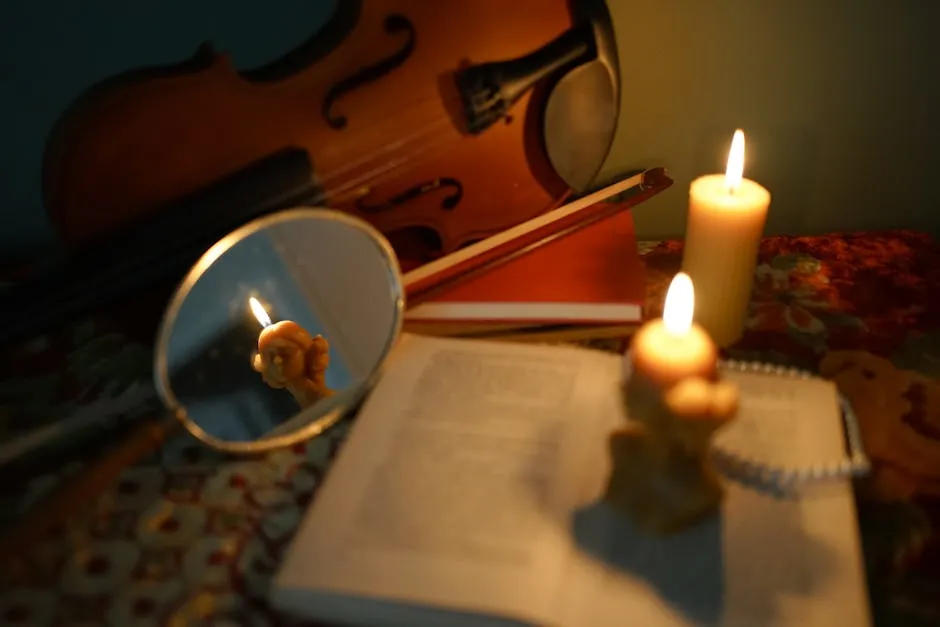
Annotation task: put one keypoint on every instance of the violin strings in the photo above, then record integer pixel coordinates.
(378, 153)
(378, 173)
(434, 107)
(415, 107)
(375, 175)
(382, 163)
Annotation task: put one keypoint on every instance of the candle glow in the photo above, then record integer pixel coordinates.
(679, 306)
(258, 310)
(734, 172)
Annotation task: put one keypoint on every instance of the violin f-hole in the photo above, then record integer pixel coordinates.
(448, 203)
(393, 25)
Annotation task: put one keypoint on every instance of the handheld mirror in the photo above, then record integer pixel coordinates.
(279, 329)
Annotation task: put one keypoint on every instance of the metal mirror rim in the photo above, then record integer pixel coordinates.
(317, 426)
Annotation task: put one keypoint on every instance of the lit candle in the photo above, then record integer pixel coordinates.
(661, 476)
(727, 214)
(667, 350)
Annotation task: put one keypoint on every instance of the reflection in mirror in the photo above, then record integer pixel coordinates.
(279, 329)
(289, 357)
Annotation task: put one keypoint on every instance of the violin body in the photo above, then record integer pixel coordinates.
(397, 102)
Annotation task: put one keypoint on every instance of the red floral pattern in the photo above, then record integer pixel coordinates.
(190, 537)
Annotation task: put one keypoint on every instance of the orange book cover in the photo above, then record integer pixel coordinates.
(591, 276)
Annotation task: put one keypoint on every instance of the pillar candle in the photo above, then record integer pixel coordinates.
(727, 214)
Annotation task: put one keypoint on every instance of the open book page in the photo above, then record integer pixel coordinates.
(785, 423)
(783, 560)
(455, 486)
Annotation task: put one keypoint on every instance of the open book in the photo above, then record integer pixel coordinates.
(468, 493)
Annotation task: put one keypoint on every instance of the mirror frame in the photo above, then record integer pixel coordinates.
(319, 425)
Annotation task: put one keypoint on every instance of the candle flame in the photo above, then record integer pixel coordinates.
(734, 173)
(258, 310)
(680, 304)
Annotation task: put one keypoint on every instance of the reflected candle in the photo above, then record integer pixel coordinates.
(288, 357)
(727, 214)
(660, 474)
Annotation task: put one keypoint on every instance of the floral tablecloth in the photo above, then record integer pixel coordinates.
(190, 537)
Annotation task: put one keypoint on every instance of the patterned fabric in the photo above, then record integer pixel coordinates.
(188, 537)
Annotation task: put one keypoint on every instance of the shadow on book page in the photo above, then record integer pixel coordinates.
(739, 567)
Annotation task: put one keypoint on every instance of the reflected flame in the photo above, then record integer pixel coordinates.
(734, 173)
(680, 304)
(258, 310)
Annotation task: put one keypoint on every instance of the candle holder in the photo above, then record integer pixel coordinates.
(663, 476)
(667, 468)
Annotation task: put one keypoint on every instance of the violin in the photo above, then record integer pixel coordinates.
(441, 123)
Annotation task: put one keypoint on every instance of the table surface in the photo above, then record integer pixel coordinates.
(188, 536)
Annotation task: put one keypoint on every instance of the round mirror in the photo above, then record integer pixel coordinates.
(279, 329)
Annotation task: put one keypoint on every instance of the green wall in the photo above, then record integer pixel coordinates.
(838, 99)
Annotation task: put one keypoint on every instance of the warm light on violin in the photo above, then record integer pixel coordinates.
(441, 123)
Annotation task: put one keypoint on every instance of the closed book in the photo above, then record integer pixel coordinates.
(592, 276)
(431, 279)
